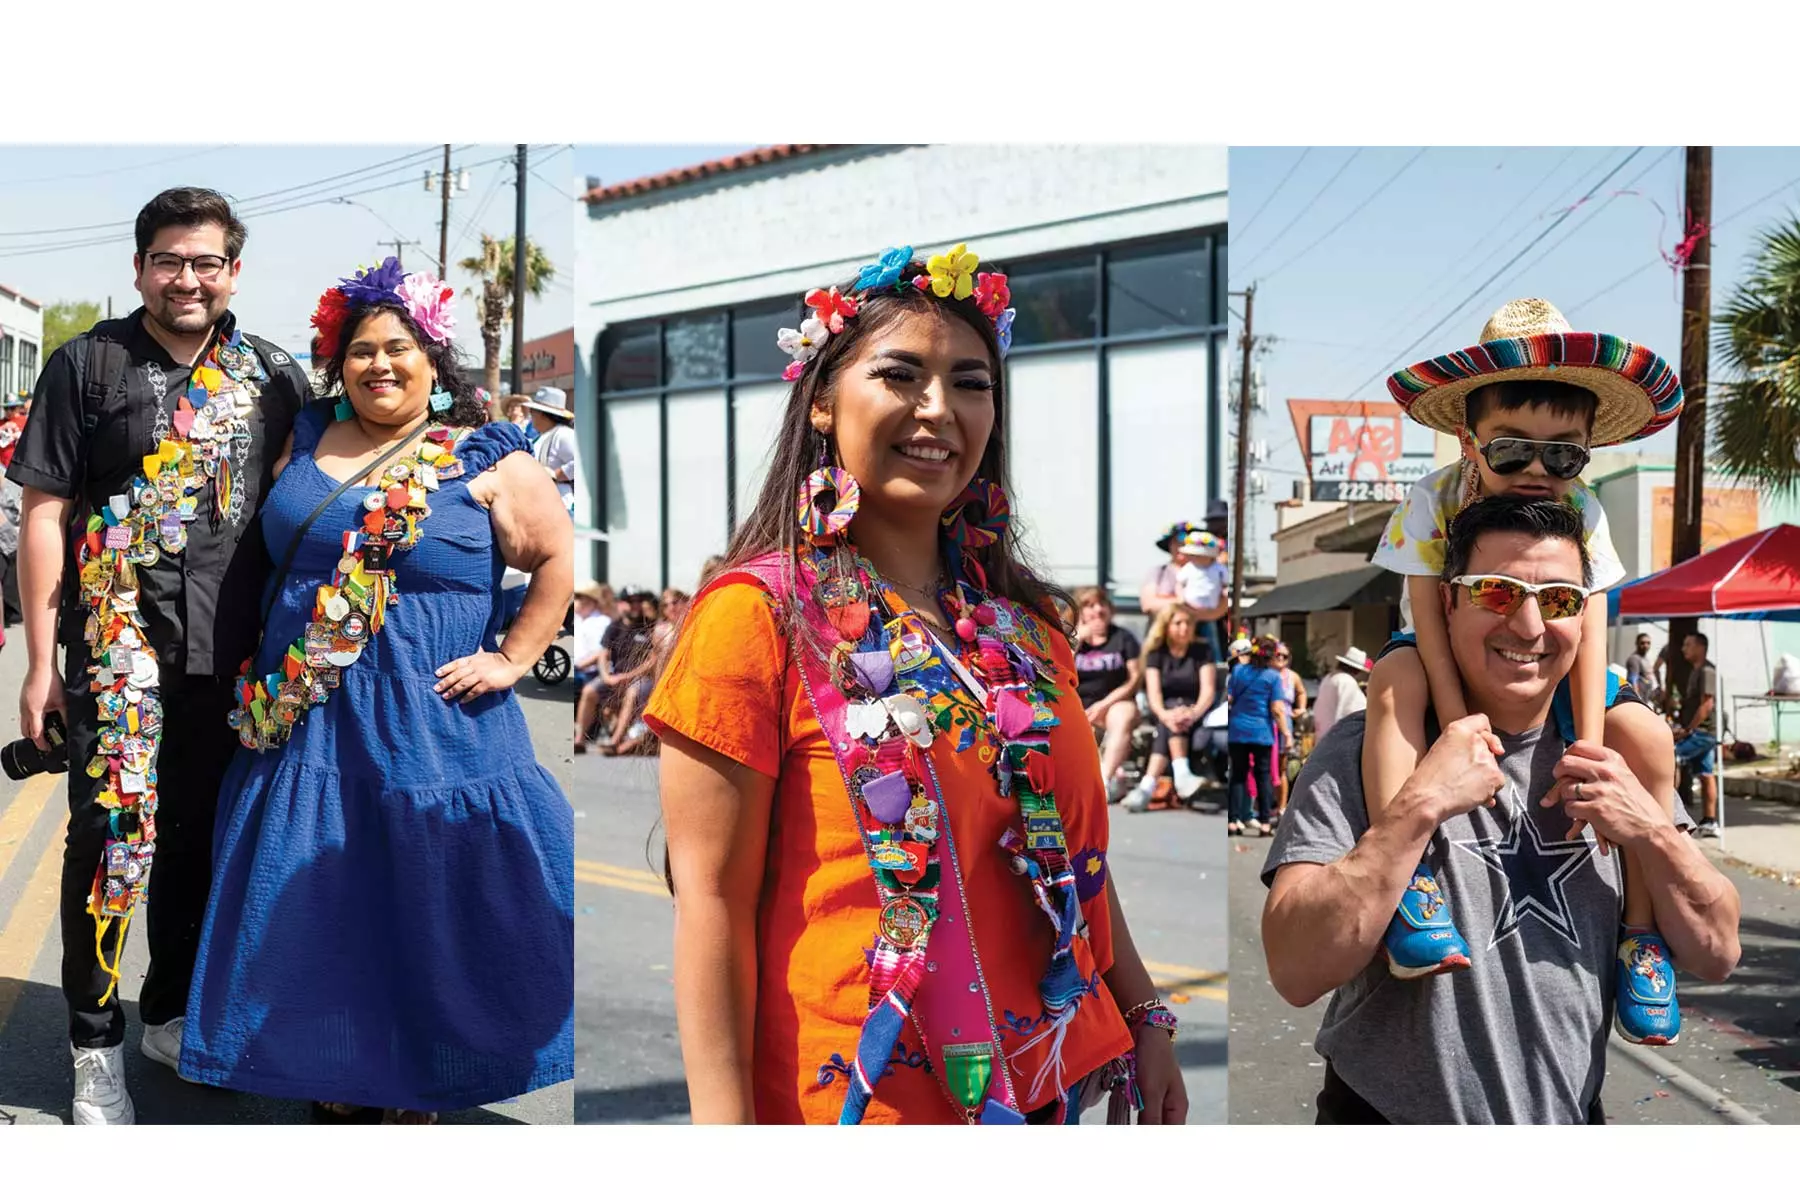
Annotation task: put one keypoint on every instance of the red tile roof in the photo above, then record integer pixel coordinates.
(20, 296)
(718, 166)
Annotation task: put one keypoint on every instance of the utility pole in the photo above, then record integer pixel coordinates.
(1690, 427)
(444, 226)
(518, 330)
(399, 246)
(1248, 341)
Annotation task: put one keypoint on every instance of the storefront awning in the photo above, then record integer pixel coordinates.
(1365, 585)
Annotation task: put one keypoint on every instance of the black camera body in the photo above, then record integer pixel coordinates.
(22, 759)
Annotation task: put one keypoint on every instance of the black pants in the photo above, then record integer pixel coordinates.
(1337, 1104)
(197, 746)
(1243, 755)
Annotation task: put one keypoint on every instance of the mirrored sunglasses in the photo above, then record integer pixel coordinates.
(1510, 455)
(1502, 595)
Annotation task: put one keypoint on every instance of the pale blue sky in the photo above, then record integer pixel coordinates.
(1357, 254)
(50, 194)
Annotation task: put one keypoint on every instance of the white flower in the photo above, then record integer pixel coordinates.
(803, 343)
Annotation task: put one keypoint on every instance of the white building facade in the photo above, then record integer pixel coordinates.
(21, 341)
(1116, 256)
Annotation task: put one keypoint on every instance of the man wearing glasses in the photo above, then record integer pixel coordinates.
(1498, 804)
(105, 401)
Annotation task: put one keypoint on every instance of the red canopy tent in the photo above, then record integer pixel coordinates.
(1757, 577)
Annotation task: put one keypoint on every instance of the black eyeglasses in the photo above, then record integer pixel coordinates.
(1510, 455)
(206, 266)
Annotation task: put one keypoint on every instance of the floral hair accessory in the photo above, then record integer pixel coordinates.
(424, 297)
(949, 276)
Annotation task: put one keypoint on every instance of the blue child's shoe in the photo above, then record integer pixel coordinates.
(1646, 1011)
(1421, 939)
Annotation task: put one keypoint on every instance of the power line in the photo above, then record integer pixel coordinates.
(1307, 207)
(155, 162)
(1240, 230)
(1476, 294)
(551, 186)
(1347, 216)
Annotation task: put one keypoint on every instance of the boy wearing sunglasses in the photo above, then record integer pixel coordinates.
(1526, 404)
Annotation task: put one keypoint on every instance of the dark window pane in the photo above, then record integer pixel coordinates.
(753, 333)
(1163, 287)
(1221, 280)
(1056, 302)
(694, 349)
(629, 357)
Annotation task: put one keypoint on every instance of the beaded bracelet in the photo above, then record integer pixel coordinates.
(1153, 1013)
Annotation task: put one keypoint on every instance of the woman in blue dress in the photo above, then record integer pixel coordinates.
(391, 929)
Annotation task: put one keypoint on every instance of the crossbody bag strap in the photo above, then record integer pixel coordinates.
(287, 560)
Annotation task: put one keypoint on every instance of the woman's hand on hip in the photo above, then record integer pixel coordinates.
(1159, 1079)
(477, 674)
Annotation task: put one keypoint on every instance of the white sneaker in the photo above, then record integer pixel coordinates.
(1137, 801)
(162, 1043)
(1186, 782)
(100, 1095)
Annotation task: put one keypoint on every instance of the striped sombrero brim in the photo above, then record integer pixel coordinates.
(1638, 392)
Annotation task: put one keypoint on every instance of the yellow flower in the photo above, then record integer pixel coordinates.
(953, 274)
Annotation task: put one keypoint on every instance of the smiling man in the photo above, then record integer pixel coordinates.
(1510, 825)
(174, 382)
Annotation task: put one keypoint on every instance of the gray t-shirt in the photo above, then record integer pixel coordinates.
(1519, 1037)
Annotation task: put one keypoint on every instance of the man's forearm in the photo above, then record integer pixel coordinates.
(1696, 906)
(1324, 922)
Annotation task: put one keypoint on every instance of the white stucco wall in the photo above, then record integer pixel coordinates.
(21, 321)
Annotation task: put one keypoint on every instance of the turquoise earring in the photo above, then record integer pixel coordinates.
(440, 399)
(343, 411)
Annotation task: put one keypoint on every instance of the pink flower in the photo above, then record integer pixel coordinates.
(991, 293)
(792, 371)
(429, 302)
(831, 307)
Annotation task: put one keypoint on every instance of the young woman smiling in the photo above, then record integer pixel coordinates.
(874, 761)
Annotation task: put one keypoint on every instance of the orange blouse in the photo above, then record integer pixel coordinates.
(730, 686)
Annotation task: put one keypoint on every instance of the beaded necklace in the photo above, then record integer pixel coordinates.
(135, 528)
(350, 610)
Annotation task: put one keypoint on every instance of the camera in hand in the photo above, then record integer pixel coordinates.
(22, 759)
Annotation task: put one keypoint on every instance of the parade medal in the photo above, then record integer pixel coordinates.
(921, 818)
(428, 476)
(375, 556)
(336, 608)
(355, 628)
(888, 797)
(890, 856)
(968, 1069)
(904, 922)
(918, 856)
(98, 766)
(374, 502)
(344, 657)
(132, 783)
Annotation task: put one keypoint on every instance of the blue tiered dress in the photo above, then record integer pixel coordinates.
(392, 913)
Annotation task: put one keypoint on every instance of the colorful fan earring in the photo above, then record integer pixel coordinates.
(979, 516)
(821, 522)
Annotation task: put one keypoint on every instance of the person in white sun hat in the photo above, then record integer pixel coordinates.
(1526, 404)
(555, 445)
(1340, 692)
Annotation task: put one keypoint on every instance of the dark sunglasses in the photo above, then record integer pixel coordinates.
(1502, 595)
(1510, 455)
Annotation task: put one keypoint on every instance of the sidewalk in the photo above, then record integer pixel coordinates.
(1762, 821)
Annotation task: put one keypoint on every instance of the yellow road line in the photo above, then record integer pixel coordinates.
(1178, 980)
(624, 882)
(23, 934)
(21, 816)
(600, 868)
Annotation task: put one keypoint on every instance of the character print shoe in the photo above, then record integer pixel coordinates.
(1421, 939)
(1646, 1011)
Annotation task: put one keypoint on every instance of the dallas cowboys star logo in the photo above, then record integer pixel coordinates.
(1536, 872)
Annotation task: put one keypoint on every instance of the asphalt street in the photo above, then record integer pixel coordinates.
(1738, 1060)
(36, 1077)
(1168, 866)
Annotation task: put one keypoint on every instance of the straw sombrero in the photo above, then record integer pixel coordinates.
(1529, 339)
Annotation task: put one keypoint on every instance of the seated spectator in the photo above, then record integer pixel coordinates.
(1179, 679)
(593, 609)
(1110, 676)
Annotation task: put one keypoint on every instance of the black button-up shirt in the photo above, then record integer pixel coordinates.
(201, 607)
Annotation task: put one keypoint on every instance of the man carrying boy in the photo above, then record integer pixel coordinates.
(1523, 1039)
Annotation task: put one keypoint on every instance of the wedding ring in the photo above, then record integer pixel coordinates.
(1578, 790)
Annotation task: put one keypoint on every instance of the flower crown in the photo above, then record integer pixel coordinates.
(948, 276)
(426, 299)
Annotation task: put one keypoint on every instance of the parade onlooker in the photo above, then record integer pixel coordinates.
(555, 444)
(1110, 674)
(12, 424)
(1162, 584)
(182, 568)
(860, 698)
(1697, 735)
(627, 664)
(1340, 692)
(1255, 693)
(1180, 683)
(11, 499)
(512, 408)
(1639, 671)
(1293, 691)
(391, 927)
(1205, 580)
(1523, 1038)
(674, 608)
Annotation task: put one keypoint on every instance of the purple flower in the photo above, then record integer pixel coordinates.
(1003, 329)
(376, 285)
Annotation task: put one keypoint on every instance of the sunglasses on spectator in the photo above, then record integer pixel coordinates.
(1510, 455)
(1502, 595)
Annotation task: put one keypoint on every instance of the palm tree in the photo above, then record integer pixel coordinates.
(494, 267)
(1756, 417)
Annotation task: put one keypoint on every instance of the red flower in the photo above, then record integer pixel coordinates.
(991, 293)
(328, 319)
(831, 308)
(1040, 771)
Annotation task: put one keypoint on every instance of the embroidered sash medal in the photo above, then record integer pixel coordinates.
(196, 446)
